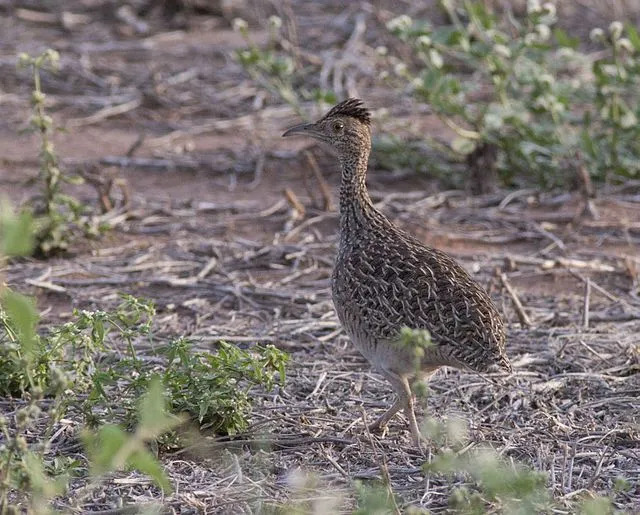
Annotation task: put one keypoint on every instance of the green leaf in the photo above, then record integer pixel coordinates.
(633, 36)
(113, 449)
(454, 37)
(204, 405)
(73, 179)
(374, 498)
(16, 233)
(103, 447)
(628, 120)
(445, 462)
(42, 486)
(147, 463)
(564, 40)
(22, 312)
(481, 15)
(597, 506)
(154, 420)
(98, 331)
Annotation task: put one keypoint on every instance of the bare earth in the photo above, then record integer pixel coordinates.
(210, 236)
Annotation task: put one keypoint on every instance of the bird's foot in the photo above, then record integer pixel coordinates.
(379, 426)
(418, 439)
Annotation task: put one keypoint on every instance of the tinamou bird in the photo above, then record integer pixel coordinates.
(385, 280)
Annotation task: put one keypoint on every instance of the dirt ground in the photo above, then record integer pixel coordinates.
(210, 236)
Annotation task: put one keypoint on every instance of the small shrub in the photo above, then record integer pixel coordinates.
(509, 486)
(507, 89)
(112, 448)
(57, 216)
(277, 69)
(90, 363)
(215, 387)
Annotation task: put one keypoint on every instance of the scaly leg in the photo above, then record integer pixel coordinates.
(404, 401)
(409, 411)
(382, 421)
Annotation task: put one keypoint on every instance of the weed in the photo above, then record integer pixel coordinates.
(276, 68)
(374, 498)
(611, 133)
(421, 156)
(509, 85)
(215, 388)
(511, 486)
(57, 216)
(91, 364)
(111, 448)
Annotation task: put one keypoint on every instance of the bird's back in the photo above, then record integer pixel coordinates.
(385, 280)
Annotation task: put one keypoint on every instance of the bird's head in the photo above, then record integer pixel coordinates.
(346, 127)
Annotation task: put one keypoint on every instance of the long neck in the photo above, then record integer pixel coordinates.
(356, 208)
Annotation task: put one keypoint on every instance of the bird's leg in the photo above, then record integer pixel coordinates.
(382, 421)
(409, 411)
(404, 401)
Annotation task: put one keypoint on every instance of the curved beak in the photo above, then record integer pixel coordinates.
(305, 129)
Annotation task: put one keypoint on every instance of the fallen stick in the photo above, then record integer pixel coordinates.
(587, 296)
(324, 187)
(522, 316)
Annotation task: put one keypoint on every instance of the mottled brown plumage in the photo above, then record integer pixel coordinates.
(384, 279)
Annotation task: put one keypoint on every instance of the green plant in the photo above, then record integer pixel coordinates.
(57, 216)
(29, 478)
(72, 347)
(611, 136)
(21, 465)
(91, 364)
(375, 499)
(112, 448)
(422, 156)
(215, 387)
(276, 68)
(514, 86)
(506, 87)
(518, 489)
(496, 483)
(18, 316)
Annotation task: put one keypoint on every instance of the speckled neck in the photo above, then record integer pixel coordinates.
(356, 208)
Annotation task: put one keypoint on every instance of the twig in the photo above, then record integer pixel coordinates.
(295, 202)
(514, 195)
(322, 377)
(106, 112)
(308, 223)
(604, 292)
(557, 241)
(324, 187)
(46, 285)
(149, 162)
(585, 309)
(335, 464)
(282, 443)
(522, 316)
(257, 172)
(136, 145)
(206, 269)
(386, 479)
(598, 468)
(382, 460)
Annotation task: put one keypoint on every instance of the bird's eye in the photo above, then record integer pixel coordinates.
(337, 126)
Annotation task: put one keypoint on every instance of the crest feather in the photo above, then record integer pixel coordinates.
(352, 107)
